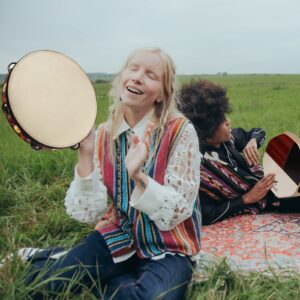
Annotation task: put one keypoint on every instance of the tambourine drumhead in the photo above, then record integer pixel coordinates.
(52, 99)
(282, 157)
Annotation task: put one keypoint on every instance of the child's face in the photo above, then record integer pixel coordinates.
(142, 82)
(222, 134)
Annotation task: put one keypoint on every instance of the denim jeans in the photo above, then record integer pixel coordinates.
(91, 264)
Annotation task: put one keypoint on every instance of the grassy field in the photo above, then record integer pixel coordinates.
(33, 186)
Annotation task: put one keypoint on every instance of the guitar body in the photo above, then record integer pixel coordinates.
(282, 157)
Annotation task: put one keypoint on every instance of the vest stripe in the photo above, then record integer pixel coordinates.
(125, 197)
(119, 238)
(149, 242)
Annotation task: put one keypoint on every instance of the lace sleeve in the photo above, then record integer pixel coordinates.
(86, 198)
(174, 201)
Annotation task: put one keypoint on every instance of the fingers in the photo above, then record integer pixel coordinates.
(148, 131)
(146, 140)
(252, 143)
(268, 181)
(250, 152)
(255, 155)
(270, 176)
(147, 136)
(247, 157)
(135, 140)
(251, 155)
(260, 189)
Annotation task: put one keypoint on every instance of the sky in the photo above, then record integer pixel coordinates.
(202, 36)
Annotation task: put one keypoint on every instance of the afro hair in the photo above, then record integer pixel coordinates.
(205, 104)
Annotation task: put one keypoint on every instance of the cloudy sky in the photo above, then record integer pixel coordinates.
(202, 36)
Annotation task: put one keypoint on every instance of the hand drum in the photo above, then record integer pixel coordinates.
(49, 100)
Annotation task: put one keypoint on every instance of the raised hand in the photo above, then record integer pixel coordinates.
(250, 152)
(138, 152)
(261, 188)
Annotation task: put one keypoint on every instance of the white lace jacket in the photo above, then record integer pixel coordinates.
(167, 205)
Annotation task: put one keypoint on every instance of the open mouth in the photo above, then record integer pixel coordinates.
(134, 90)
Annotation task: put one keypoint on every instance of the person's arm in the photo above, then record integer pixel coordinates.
(248, 142)
(217, 210)
(86, 198)
(170, 204)
(242, 137)
(214, 210)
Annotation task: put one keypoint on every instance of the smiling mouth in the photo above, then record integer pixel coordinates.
(134, 90)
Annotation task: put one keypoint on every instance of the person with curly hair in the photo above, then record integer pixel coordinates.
(232, 181)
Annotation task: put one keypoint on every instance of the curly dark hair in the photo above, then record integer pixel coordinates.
(205, 104)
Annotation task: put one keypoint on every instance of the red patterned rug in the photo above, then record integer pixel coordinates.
(253, 242)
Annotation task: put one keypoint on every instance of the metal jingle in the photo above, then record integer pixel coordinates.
(5, 108)
(11, 66)
(75, 147)
(35, 146)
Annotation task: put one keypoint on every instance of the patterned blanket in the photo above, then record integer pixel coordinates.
(253, 243)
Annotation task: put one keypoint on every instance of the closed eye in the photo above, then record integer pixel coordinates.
(133, 67)
(152, 75)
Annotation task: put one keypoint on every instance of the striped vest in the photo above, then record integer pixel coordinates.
(125, 228)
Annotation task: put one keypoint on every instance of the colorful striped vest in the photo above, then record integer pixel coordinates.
(126, 229)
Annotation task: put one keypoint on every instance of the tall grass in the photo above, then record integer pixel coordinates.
(33, 186)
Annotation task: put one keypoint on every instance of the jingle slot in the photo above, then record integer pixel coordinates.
(5, 108)
(11, 66)
(35, 147)
(17, 129)
(75, 147)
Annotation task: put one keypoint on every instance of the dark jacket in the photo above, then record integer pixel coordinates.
(220, 195)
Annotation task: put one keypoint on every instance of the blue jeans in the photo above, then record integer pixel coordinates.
(91, 264)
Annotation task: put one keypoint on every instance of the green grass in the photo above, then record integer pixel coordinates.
(33, 186)
(267, 101)
(223, 283)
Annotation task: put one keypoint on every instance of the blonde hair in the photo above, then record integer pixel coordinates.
(164, 110)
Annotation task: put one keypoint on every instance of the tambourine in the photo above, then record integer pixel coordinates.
(49, 100)
(282, 157)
